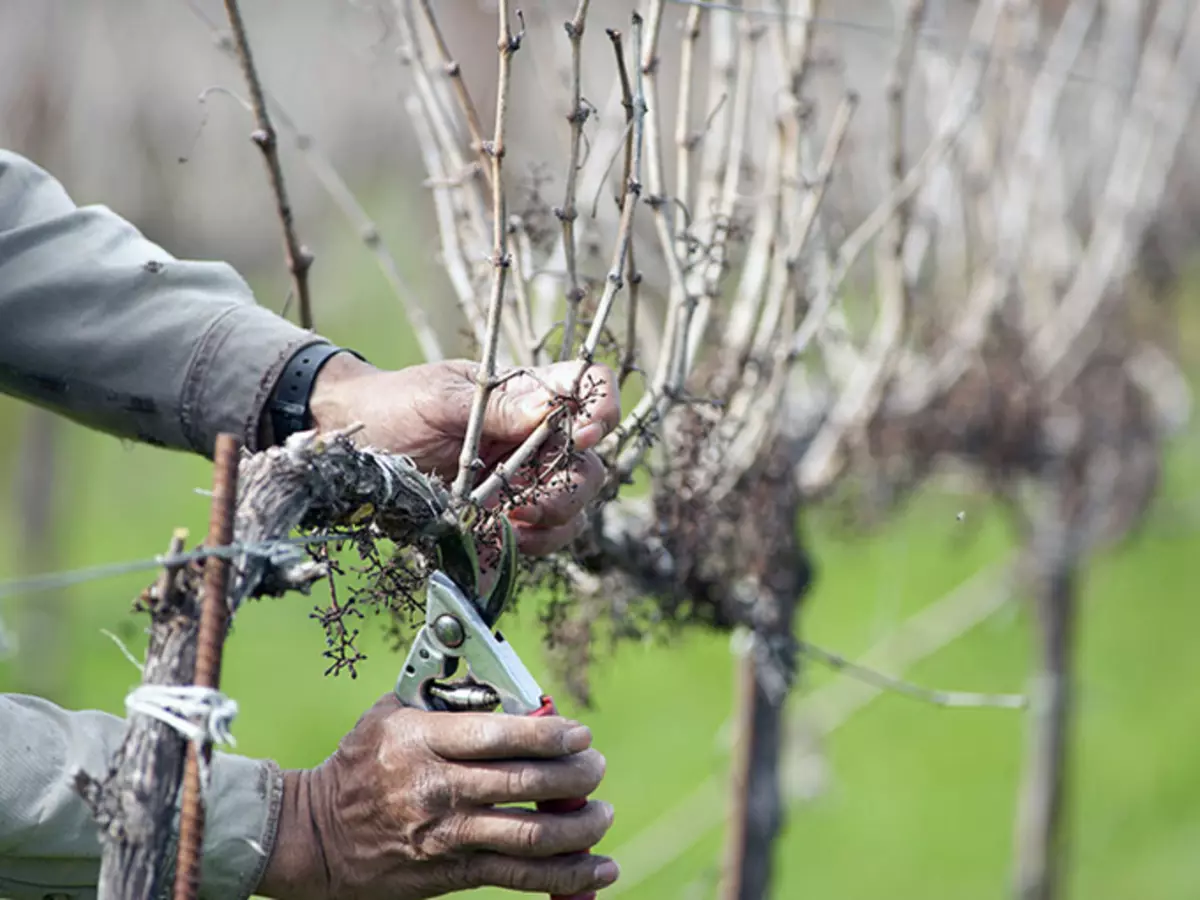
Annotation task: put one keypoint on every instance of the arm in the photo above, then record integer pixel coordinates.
(49, 845)
(331, 831)
(107, 328)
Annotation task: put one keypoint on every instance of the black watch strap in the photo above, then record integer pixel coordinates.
(289, 401)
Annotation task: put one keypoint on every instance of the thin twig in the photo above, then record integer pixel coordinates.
(346, 201)
(875, 678)
(632, 276)
(530, 354)
(507, 45)
(1152, 119)
(859, 239)
(660, 203)
(632, 192)
(504, 472)
(453, 260)
(860, 398)
(454, 72)
(460, 202)
(731, 76)
(685, 141)
(299, 260)
(568, 212)
(1014, 227)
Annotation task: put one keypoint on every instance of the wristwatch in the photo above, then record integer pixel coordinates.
(288, 407)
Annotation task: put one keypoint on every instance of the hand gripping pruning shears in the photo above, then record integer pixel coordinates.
(458, 627)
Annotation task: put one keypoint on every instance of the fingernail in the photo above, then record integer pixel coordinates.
(578, 739)
(607, 872)
(526, 515)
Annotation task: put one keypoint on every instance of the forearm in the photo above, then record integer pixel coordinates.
(49, 843)
(105, 327)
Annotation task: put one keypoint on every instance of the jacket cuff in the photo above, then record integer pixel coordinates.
(240, 830)
(233, 370)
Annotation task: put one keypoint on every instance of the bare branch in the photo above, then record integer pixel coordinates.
(530, 346)
(568, 213)
(875, 678)
(990, 289)
(454, 72)
(347, 203)
(861, 397)
(453, 260)
(1156, 121)
(485, 375)
(632, 190)
(505, 471)
(299, 260)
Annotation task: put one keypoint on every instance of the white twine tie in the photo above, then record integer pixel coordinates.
(199, 714)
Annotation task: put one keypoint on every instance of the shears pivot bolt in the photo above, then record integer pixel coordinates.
(449, 631)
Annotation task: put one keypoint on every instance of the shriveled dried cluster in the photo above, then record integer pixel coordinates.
(343, 498)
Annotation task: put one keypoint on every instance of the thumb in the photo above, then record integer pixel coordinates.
(512, 415)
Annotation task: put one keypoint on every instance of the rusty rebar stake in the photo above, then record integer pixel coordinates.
(214, 619)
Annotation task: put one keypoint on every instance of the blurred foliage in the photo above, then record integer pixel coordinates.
(920, 800)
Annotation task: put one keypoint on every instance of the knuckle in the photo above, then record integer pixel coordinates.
(453, 838)
(423, 841)
(522, 780)
(483, 731)
(520, 875)
(530, 836)
(433, 791)
(465, 873)
(571, 877)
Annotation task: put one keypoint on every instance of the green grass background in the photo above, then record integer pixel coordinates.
(919, 800)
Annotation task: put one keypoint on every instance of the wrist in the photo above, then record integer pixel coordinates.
(306, 378)
(327, 403)
(296, 869)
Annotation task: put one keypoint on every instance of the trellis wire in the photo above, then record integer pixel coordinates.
(278, 550)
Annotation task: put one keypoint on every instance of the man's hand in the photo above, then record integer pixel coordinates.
(422, 411)
(411, 806)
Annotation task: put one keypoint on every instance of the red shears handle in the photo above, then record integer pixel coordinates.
(560, 806)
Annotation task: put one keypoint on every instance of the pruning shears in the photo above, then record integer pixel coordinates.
(459, 626)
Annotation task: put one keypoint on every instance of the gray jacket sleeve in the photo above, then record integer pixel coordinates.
(107, 328)
(49, 846)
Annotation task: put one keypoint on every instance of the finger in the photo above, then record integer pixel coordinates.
(519, 404)
(482, 736)
(522, 832)
(527, 781)
(544, 541)
(565, 495)
(561, 876)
